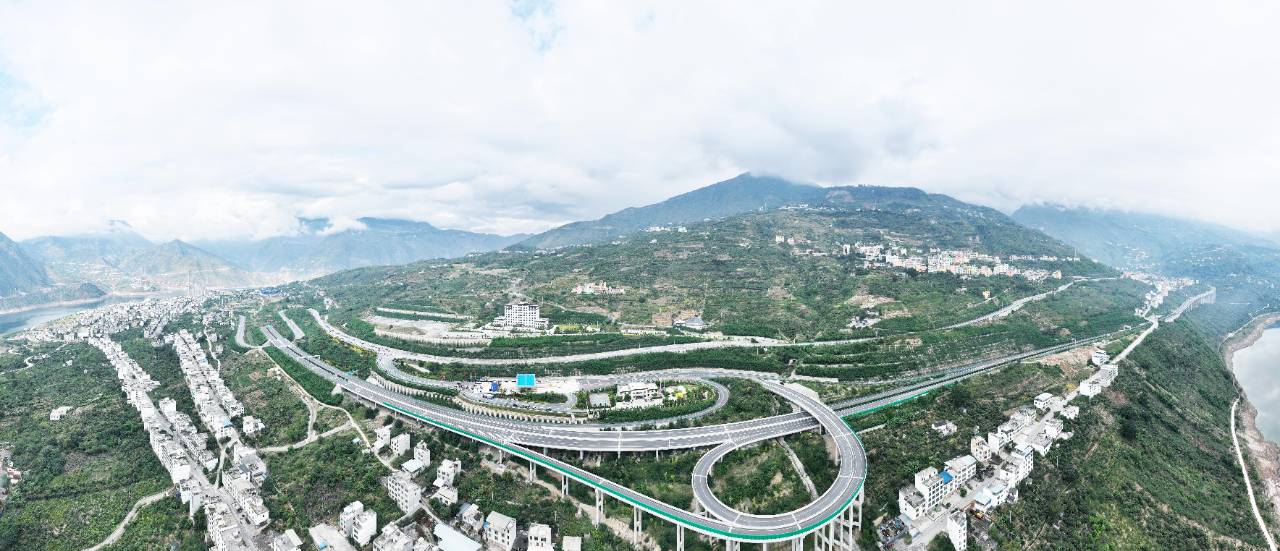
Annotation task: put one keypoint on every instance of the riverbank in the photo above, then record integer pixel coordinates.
(1264, 454)
(58, 304)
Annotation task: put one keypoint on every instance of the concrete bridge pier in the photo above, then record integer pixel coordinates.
(636, 526)
(564, 485)
(599, 507)
(533, 470)
(679, 537)
(841, 533)
(731, 545)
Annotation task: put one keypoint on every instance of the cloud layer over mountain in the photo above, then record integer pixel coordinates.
(207, 121)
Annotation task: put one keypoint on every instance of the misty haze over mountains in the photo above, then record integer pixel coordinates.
(120, 260)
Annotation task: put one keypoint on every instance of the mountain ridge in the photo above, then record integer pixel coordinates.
(746, 192)
(381, 241)
(18, 271)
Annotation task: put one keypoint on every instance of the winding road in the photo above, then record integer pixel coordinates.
(519, 438)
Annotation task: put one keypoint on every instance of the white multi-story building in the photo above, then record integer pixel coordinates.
(422, 453)
(540, 538)
(288, 541)
(962, 469)
(406, 493)
(500, 531)
(358, 523)
(932, 486)
(383, 437)
(980, 449)
(447, 495)
(958, 530)
(521, 315)
(638, 391)
(392, 538)
(1099, 357)
(347, 518)
(400, 444)
(1107, 374)
(251, 426)
(447, 472)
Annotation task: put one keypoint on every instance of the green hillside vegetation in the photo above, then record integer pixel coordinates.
(314, 483)
(266, 396)
(1151, 465)
(734, 273)
(163, 525)
(759, 480)
(81, 474)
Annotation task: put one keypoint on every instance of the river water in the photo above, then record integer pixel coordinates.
(1258, 370)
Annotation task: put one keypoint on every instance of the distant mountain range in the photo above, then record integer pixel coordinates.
(104, 247)
(744, 193)
(25, 284)
(120, 259)
(18, 271)
(379, 242)
(751, 193)
(1136, 240)
(775, 269)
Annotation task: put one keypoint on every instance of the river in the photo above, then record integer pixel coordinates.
(1258, 370)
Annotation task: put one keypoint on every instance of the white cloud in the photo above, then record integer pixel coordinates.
(211, 120)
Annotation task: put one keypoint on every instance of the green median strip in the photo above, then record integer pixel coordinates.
(623, 497)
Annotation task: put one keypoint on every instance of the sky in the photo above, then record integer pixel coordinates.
(204, 120)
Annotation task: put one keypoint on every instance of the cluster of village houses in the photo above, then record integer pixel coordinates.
(1161, 286)
(358, 525)
(989, 474)
(962, 263)
(151, 314)
(597, 288)
(234, 512)
(642, 394)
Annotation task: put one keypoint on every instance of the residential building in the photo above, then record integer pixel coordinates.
(1043, 401)
(392, 538)
(471, 518)
(328, 538)
(400, 444)
(1099, 358)
(958, 530)
(422, 453)
(251, 425)
(521, 315)
(980, 449)
(448, 495)
(288, 541)
(1053, 428)
(638, 391)
(540, 538)
(383, 437)
(358, 524)
(932, 486)
(453, 540)
(412, 466)
(692, 322)
(406, 493)
(447, 472)
(500, 531)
